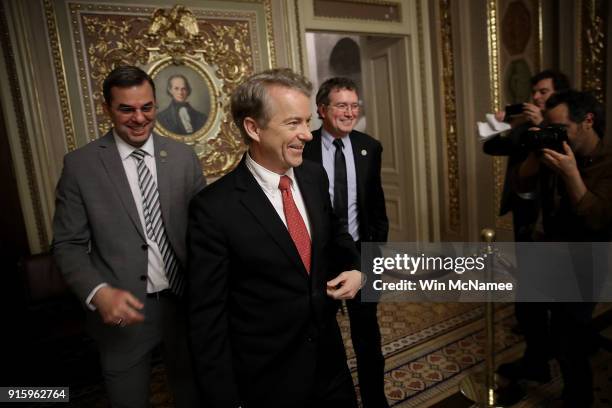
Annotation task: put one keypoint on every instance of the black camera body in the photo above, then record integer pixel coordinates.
(549, 137)
(513, 110)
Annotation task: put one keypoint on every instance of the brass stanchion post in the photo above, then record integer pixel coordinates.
(481, 387)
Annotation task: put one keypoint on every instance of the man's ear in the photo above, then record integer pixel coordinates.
(251, 127)
(322, 110)
(106, 108)
(589, 118)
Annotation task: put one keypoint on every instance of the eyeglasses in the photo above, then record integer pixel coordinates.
(345, 107)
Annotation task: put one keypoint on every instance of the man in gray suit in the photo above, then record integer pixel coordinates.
(119, 239)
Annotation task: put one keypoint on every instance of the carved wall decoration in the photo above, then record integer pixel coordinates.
(450, 117)
(60, 75)
(516, 28)
(519, 47)
(515, 43)
(593, 46)
(214, 50)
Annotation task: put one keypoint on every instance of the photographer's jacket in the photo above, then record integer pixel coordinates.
(590, 220)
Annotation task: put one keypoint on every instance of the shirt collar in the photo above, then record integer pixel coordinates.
(266, 178)
(327, 139)
(125, 150)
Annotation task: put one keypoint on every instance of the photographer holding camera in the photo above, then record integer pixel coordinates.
(524, 208)
(569, 165)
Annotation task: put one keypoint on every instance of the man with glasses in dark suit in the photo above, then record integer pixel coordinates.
(352, 161)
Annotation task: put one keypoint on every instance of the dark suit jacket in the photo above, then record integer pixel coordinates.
(97, 233)
(260, 325)
(508, 145)
(372, 215)
(169, 118)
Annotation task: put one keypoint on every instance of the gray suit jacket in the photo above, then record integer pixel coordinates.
(97, 233)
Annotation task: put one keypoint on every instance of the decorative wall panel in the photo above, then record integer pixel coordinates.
(213, 50)
(450, 119)
(515, 55)
(593, 46)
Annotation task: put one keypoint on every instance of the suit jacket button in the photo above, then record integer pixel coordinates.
(143, 277)
(144, 247)
(309, 339)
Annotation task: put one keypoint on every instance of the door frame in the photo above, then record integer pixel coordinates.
(419, 76)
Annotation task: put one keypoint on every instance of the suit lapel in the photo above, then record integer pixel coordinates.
(360, 165)
(311, 198)
(112, 163)
(163, 163)
(258, 204)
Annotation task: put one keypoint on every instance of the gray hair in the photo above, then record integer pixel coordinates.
(250, 99)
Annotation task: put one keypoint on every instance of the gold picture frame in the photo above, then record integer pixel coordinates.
(204, 98)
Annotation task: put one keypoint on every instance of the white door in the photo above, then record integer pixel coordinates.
(387, 119)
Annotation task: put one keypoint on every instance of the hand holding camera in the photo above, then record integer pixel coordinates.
(563, 163)
(526, 111)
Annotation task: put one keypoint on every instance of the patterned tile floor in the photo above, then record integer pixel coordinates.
(428, 371)
(429, 348)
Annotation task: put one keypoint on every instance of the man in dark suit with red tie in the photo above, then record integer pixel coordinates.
(352, 161)
(265, 250)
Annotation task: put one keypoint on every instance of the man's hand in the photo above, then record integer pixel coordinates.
(344, 286)
(565, 165)
(532, 113)
(500, 116)
(117, 307)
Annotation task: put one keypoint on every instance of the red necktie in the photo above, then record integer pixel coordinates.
(295, 222)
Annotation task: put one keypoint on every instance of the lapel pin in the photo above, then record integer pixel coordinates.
(163, 154)
(364, 152)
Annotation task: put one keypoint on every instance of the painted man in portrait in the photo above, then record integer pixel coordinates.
(180, 117)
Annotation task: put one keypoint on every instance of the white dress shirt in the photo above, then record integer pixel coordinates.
(156, 274)
(185, 119)
(268, 181)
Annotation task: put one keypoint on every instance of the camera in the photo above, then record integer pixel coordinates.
(513, 110)
(549, 137)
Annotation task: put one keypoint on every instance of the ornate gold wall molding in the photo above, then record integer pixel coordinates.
(515, 38)
(270, 32)
(60, 75)
(450, 117)
(300, 36)
(24, 141)
(593, 43)
(494, 76)
(493, 47)
(105, 35)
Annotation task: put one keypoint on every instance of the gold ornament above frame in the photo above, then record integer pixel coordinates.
(212, 50)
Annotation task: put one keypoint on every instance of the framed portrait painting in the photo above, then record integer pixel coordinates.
(187, 99)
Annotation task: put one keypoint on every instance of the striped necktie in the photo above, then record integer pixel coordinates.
(154, 223)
